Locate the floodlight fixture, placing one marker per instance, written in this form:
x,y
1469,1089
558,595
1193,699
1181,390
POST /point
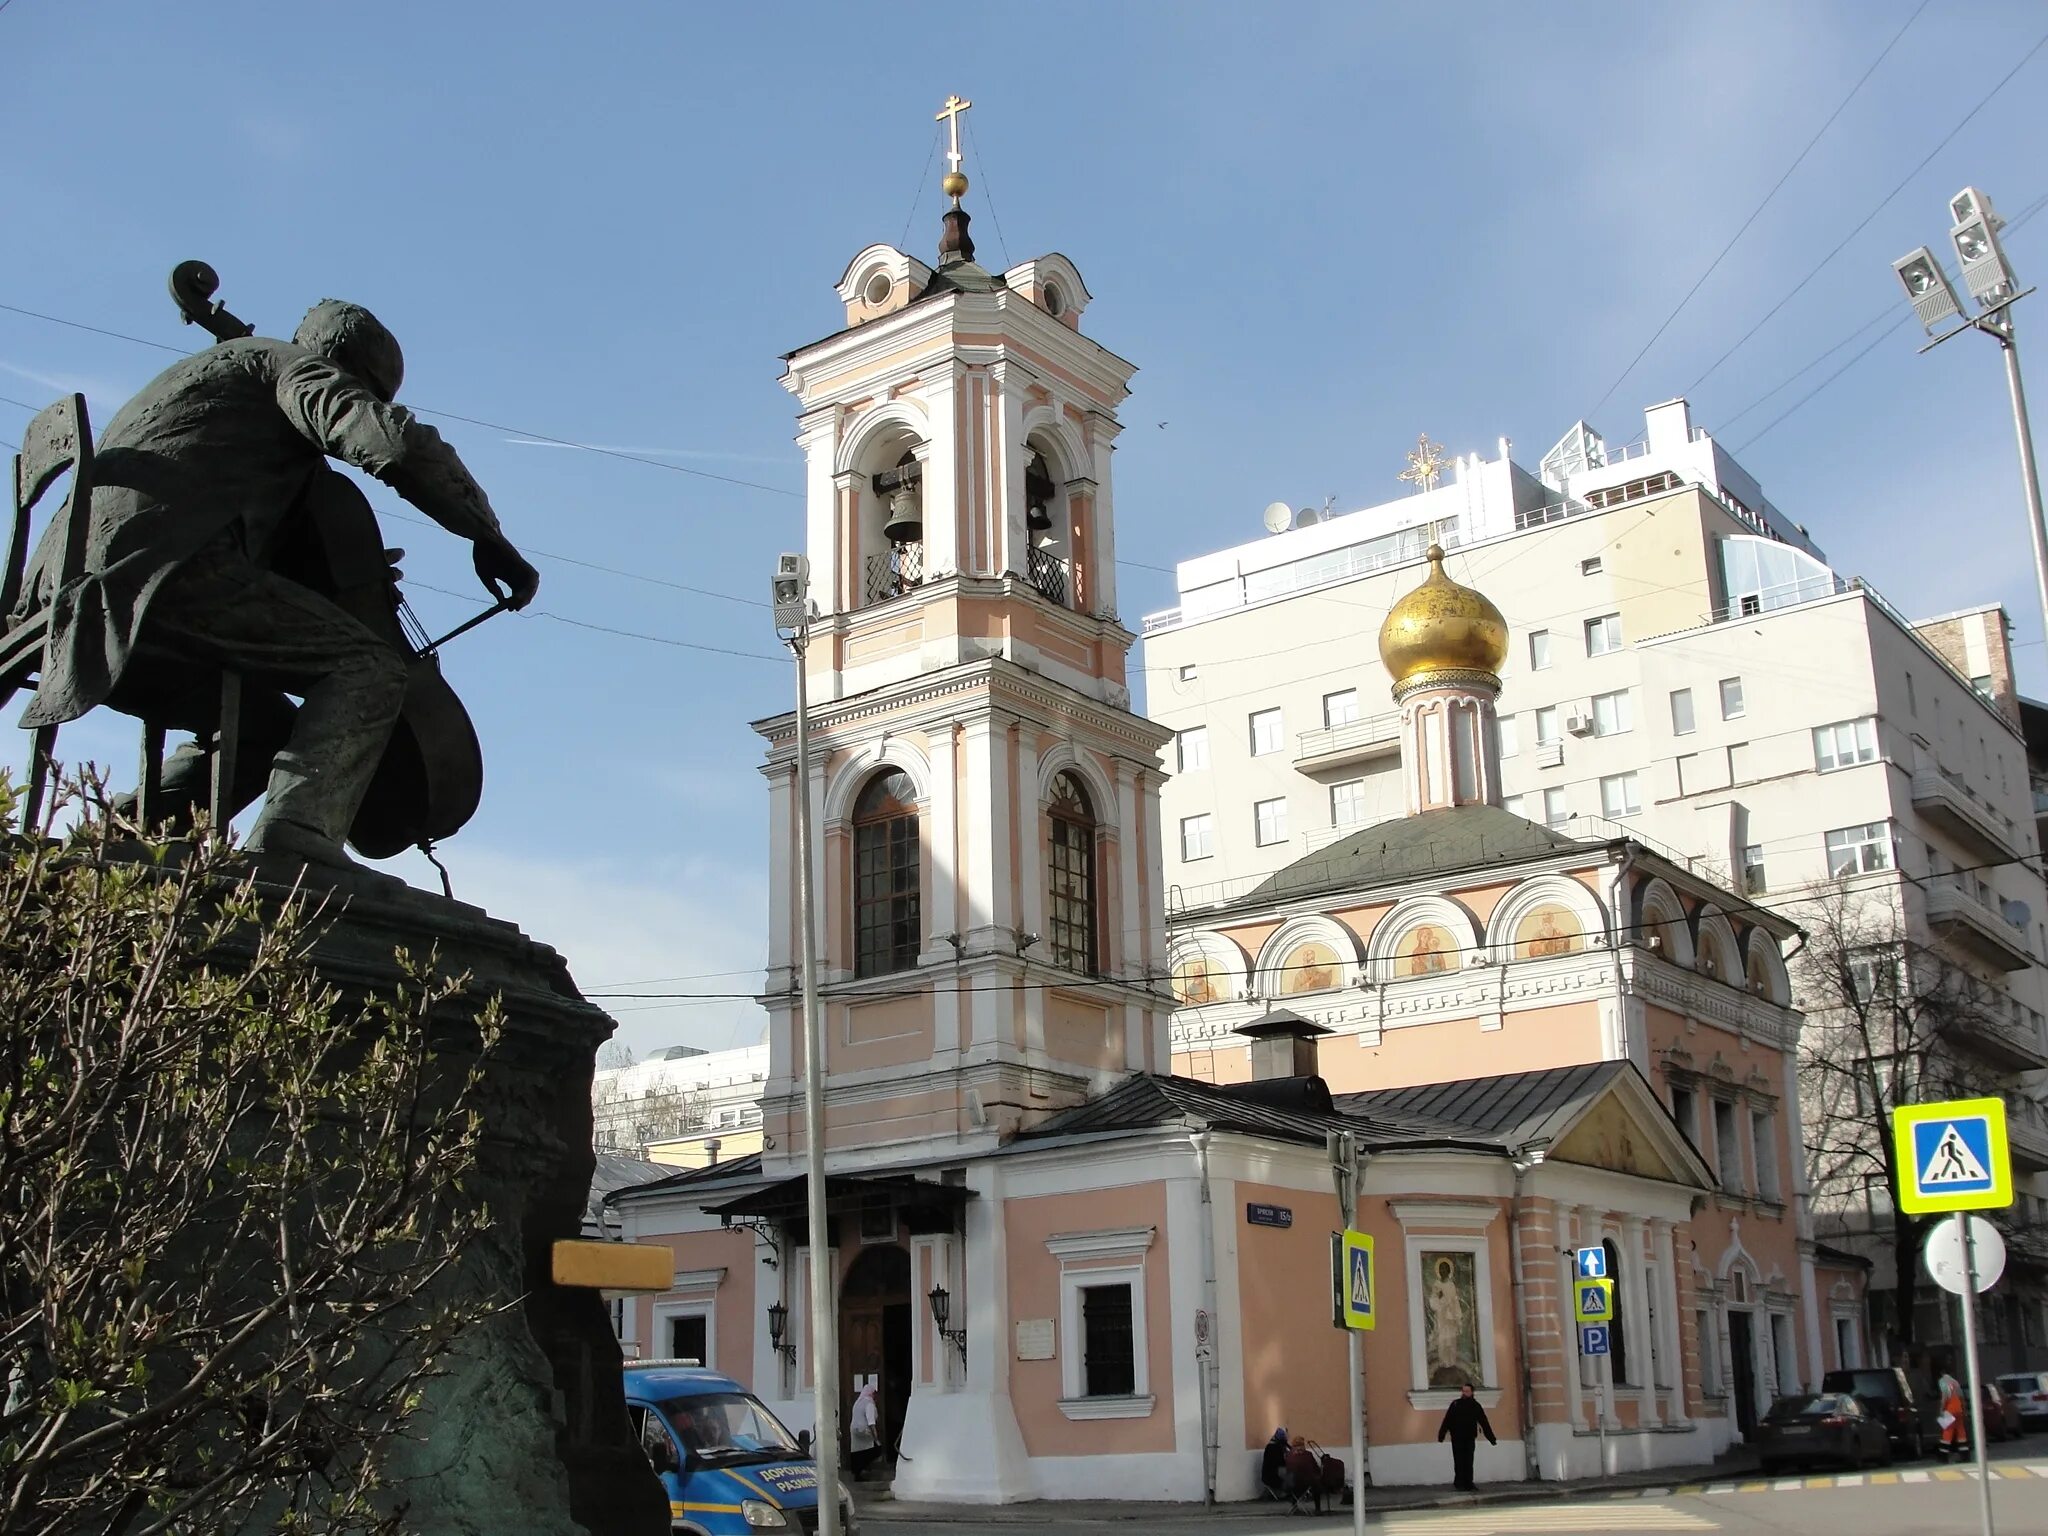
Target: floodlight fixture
x,y
1969,204
1986,272
1927,287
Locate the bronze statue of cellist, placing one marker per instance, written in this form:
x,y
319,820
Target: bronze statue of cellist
x,y
194,566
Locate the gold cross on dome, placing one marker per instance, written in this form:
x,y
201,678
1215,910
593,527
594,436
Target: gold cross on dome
x,y
1425,464
949,114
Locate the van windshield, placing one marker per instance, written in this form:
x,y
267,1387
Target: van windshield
x,y
724,1429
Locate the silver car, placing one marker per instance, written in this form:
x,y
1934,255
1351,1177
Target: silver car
x,y
2029,1389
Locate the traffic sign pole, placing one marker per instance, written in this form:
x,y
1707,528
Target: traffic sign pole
x,y
1977,1435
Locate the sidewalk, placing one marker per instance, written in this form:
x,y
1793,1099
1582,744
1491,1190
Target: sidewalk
x,y
877,1504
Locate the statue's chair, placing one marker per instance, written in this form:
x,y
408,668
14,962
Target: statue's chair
x,y
60,438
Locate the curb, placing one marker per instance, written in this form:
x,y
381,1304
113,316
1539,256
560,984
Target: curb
x,y
1047,1512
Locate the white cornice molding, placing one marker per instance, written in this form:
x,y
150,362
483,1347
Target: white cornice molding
x,y
698,1279
1110,1243
1454,1215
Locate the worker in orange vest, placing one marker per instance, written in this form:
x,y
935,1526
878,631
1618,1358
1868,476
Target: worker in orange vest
x,y
1955,1428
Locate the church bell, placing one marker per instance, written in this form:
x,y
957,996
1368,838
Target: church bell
x,y
906,516
1038,494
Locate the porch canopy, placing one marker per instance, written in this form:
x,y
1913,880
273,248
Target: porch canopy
x,y
926,1206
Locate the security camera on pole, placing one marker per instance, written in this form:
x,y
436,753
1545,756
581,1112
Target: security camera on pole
x,y
792,612
1989,277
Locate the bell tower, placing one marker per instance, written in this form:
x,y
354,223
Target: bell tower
x,y
985,804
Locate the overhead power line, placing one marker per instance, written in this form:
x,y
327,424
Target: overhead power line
x,y
1797,161
1864,223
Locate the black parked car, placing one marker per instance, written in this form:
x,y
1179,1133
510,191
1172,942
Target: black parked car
x,y
1886,1392
1822,1426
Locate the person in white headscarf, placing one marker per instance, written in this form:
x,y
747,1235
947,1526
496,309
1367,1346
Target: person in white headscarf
x,y
864,1430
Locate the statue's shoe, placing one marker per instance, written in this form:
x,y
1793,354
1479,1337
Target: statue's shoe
x,y
286,844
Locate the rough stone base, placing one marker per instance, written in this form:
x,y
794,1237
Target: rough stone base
x,y
526,1431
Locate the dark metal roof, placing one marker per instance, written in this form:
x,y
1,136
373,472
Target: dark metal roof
x,y
1839,1258
616,1171
739,1168
1149,1101
1514,1110
1435,842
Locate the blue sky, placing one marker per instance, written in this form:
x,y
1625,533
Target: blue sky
x,y
1318,230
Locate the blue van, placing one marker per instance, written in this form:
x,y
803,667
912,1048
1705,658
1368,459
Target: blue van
x,y
729,1466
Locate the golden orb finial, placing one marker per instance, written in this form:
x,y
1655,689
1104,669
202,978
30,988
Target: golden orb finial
x,y
954,185
1442,632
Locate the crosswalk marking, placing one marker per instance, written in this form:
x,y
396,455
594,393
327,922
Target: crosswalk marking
x,y
1532,1519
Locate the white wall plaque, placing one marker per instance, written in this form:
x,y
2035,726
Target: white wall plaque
x,y
1034,1338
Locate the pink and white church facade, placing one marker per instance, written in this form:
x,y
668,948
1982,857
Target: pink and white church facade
x,y
1073,1270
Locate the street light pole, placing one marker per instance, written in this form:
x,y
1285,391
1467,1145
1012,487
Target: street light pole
x,y
2030,476
795,613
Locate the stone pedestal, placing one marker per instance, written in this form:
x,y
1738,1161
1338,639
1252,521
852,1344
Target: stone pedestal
x,y
527,1429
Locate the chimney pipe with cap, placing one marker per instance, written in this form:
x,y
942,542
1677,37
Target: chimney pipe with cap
x,y
1283,1045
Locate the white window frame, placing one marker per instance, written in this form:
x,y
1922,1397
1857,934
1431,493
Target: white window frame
x,y
1827,744
1741,706
1208,821
1350,710
1509,734
1539,650
1453,1228
1514,806
1359,803
666,1312
1546,725
1560,820
1620,709
1763,1152
1631,782
1198,736
1279,739
1188,672
1691,722
1607,627
1854,842
1259,837
1110,1257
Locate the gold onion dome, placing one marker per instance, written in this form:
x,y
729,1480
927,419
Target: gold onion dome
x,y
1445,631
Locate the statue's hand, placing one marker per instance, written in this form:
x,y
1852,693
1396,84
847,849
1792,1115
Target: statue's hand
x,y
505,571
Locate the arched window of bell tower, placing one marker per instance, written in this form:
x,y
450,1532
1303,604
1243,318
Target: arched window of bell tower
x,y
1049,524
887,876
885,503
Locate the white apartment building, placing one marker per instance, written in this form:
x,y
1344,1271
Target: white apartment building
x,y
1686,669
682,1106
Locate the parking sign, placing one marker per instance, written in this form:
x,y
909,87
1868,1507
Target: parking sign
x,y
1593,1339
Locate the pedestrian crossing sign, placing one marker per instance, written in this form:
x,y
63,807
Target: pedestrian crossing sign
x,y
1952,1156
1593,1301
1357,1299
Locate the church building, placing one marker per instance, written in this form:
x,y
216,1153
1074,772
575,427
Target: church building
x,y
1080,1202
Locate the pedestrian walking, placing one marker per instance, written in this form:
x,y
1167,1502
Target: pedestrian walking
x,y
1955,1428
1464,1421
863,1429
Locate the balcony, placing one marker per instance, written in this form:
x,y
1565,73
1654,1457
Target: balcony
x,y
1974,926
892,573
1344,746
1051,575
1958,810
2026,1131
2015,1043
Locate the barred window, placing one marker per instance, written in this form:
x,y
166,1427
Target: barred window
x,y
1073,875
885,876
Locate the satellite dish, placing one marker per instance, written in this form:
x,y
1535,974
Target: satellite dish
x,y
1307,517
1278,516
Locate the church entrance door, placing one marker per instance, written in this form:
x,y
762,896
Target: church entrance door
x,y
1742,1371
874,1340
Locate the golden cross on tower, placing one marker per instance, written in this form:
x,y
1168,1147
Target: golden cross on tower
x,y
1425,464
954,183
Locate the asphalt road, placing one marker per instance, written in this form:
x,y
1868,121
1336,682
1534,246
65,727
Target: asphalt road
x,y
1919,1499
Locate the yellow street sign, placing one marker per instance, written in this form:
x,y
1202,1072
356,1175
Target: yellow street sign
x,y
1952,1156
1351,1281
1593,1301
